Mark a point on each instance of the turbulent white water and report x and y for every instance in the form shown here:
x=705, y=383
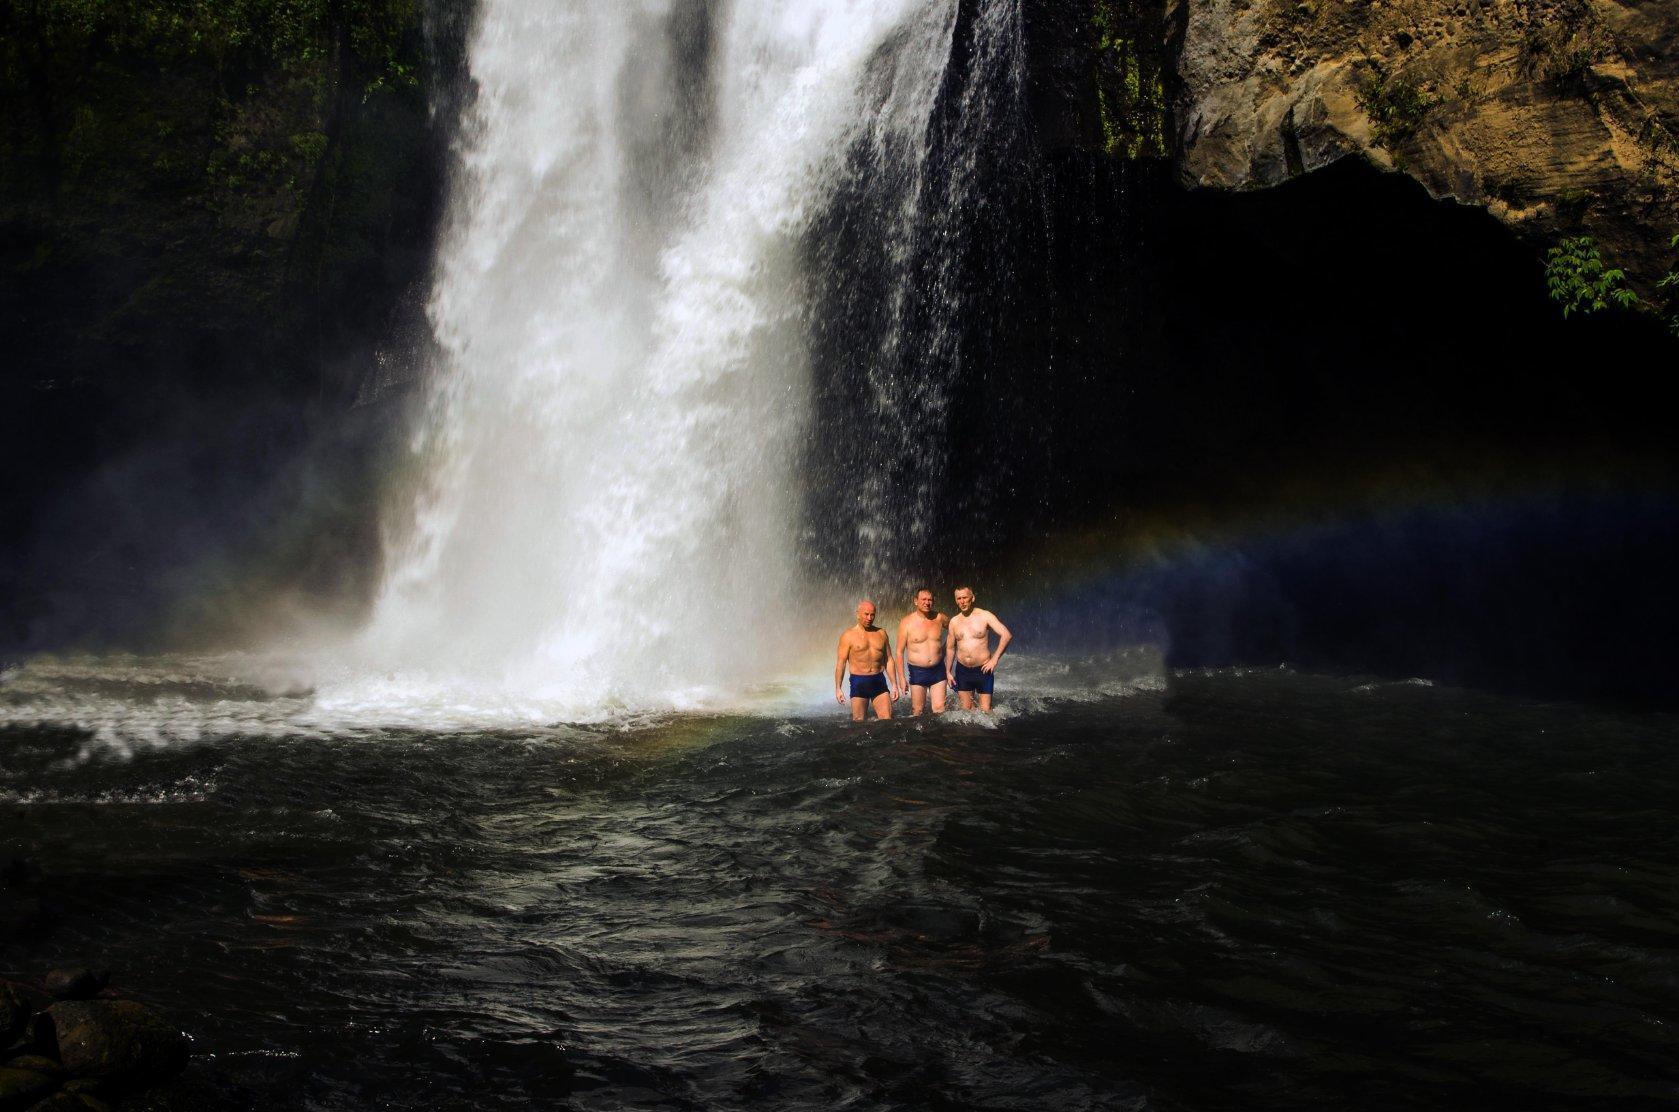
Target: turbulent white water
x=607, y=504
x=120, y=707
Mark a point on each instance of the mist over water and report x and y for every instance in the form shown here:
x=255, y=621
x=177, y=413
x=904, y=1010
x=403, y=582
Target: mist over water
x=607, y=480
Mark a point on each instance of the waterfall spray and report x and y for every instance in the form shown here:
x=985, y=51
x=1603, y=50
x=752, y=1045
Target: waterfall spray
x=609, y=461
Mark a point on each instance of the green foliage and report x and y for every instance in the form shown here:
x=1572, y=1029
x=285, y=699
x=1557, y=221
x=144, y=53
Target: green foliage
x=1396, y=106
x=1130, y=82
x=190, y=161
x=1579, y=281
x=1670, y=281
x=242, y=105
x=290, y=34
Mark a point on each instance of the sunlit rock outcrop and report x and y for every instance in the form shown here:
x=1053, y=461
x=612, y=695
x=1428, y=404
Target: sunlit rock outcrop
x=1560, y=117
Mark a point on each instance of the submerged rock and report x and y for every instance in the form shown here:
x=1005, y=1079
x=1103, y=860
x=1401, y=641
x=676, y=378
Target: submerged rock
x=71, y=1102
x=120, y=1041
x=76, y=984
x=38, y=1036
x=39, y=1063
x=22, y=1088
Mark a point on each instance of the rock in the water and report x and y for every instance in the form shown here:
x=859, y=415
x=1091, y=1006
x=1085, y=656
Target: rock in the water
x=38, y=1036
x=22, y=1088
x=14, y=1012
x=121, y=1041
x=38, y=1063
x=76, y=984
x=71, y=1102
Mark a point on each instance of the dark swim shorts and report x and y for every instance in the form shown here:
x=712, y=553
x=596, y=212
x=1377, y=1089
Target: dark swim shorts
x=973, y=679
x=925, y=675
x=867, y=687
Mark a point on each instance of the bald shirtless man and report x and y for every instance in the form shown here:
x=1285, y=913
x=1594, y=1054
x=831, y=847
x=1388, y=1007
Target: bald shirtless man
x=921, y=654
x=969, y=662
x=867, y=651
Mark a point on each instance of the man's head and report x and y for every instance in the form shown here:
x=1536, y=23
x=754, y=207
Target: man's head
x=924, y=602
x=865, y=613
x=964, y=599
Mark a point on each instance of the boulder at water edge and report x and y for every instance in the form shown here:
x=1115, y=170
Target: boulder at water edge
x=21, y=1088
x=120, y=1041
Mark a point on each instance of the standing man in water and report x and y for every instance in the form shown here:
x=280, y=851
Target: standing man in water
x=867, y=651
x=969, y=662
x=921, y=654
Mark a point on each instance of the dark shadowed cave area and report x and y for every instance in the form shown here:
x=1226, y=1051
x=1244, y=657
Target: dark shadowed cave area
x=1389, y=450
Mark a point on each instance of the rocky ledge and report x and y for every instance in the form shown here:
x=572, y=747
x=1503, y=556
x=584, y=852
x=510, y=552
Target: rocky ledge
x=1560, y=117
x=71, y=1045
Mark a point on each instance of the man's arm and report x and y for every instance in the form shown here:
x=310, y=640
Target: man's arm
x=1003, y=639
x=839, y=670
x=899, y=657
x=892, y=685
x=950, y=652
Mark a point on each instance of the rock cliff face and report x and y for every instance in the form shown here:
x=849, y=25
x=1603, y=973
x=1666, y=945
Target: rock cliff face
x=1560, y=117
x=211, y=216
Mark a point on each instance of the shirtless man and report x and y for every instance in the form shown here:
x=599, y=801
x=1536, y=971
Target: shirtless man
x=921, y=654
x=968, y=659
x=867, y=651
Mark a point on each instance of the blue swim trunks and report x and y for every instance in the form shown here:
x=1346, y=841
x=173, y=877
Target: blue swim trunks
x=925, y=675
x=867, y=687
x=973, y=679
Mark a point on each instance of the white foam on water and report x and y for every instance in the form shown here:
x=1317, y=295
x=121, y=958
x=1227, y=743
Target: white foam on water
x=120, y=707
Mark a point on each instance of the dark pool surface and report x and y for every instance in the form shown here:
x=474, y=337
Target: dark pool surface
x=1249, y=891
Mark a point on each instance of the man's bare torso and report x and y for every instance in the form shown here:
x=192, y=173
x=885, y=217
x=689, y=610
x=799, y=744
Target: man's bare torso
x=972, y=633
x=923, y=639
x=865, y=651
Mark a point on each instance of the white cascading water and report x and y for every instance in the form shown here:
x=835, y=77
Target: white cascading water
x=607, y=507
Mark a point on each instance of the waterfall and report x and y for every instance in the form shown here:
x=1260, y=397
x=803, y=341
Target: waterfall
x=909, y=279
x=607, y=501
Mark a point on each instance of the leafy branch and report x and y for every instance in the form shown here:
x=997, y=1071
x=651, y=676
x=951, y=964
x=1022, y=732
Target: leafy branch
x=1579, y=281
x=1670, y=281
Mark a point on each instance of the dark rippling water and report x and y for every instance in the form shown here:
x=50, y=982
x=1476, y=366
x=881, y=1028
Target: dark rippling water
x=1248, y=891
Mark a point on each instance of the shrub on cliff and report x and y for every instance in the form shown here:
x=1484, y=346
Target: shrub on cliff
x=1396, y=106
